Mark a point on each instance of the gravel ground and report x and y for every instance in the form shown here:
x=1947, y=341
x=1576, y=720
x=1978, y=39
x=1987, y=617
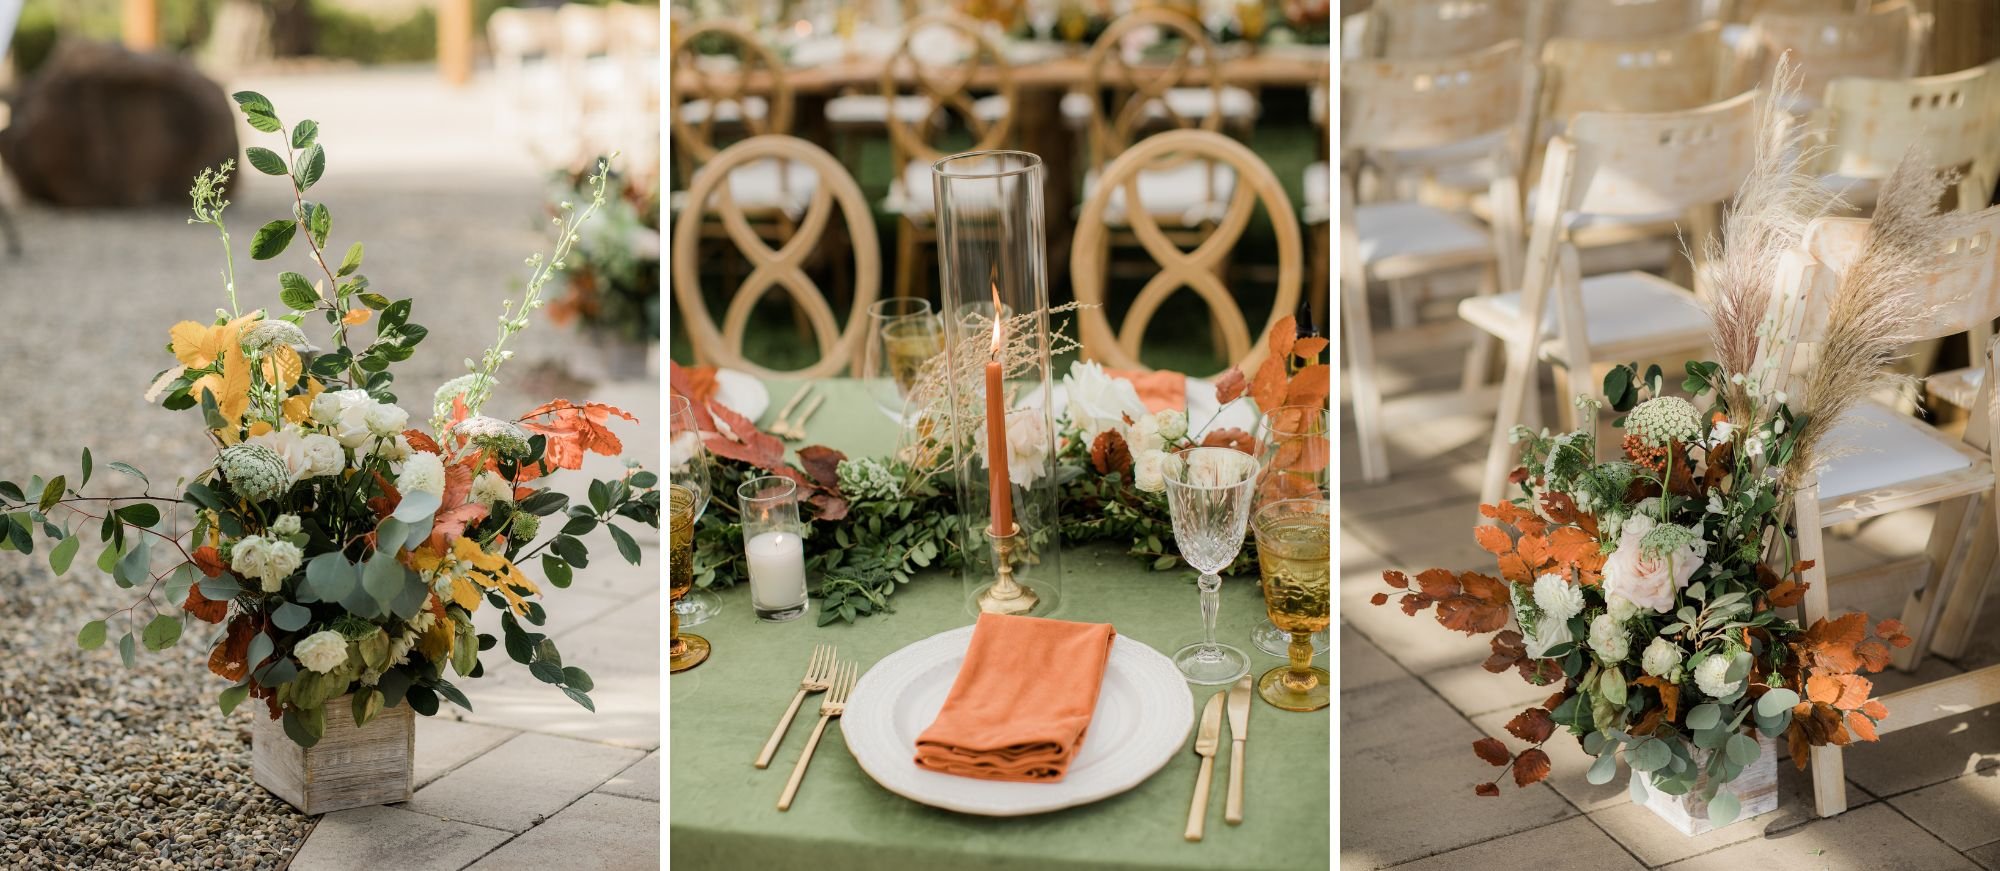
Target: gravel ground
x=101, y=767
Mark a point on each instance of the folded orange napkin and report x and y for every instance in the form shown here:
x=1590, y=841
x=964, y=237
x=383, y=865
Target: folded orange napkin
x=1160, y=389
x=1022, y=700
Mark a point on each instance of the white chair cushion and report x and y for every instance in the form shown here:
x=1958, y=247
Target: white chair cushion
x=873, y=109
x=1318, y=191
x=911, y=195
x=1619, y=307
x=1193, y=104
x=730, y=111
x=1874, y=447
x=1176, y=194
x=993, y=108
x=765, y=184
x=1318, y=105
x=1405, y=227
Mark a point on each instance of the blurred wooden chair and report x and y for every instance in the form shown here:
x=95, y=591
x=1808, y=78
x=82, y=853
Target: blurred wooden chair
x=1391, y=107
x=711, y=198
x=943, y=84
x=1618, y=19
x=1607, y=164
x=1881, y=461
x=528, y=64
x=1884, y=43
x=712, y=98
x=1413, y=29
x=1153, y=91
x=1179, y=268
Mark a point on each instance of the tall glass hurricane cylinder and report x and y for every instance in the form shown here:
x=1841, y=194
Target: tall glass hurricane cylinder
x=993, y=266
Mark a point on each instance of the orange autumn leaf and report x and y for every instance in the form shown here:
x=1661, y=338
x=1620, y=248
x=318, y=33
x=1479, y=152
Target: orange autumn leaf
x=209, y=560
x=1523, y=520
x=282, y=366
x=1283, y=334
x=1310, y=385
x=1823, y=689
x=1268, y=389
x=572, y=430
x=1875, y=710
x=1509, y=649
x=1670, y=693
x=1854, y=690
x=356, y=317
x=1533, y=725
x=227, y=660
x=1481, y=607
x=203, y=608
x=1309, y=348
x=1863, y=727
x=1489, y=790
x=1491, y=750
x=1230, y=386
x=1493, y=539
x=1531, y=767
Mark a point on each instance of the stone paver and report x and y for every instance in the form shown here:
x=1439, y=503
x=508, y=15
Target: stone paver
x=530, y=777
x=642, y=780
x=1409, y=687
x=445, y=743
x=1571, y=845
x=394, y=837
x=599, y=832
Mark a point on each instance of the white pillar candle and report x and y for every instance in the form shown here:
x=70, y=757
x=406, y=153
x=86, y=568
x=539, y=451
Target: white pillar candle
x=777, y=570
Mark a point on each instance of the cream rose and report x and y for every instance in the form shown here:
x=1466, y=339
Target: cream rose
x=1098, y=402
x=1609, y=639
x=1149, y=472
x=306, y=455
x=322, y=651
x=1648, y=581
x=1661, y=658
x=1027, y=445
x=1712, y=676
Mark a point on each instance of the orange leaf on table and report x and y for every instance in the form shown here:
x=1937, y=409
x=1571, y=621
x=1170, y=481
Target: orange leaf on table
x=1310, y=386
x=1489, y=790
x=1379, y=599
x=1491, y=750
x=1109, y=453
x=823, y=464
x=1531, y=767
x=1533, y=725
x=1230, y=386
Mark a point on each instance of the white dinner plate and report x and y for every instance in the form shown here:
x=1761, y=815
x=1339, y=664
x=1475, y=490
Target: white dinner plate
x=1201, y=408
x=1144, y=713
x=742, y=393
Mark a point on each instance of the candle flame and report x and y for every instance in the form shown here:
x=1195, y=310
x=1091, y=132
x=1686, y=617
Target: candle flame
x=997, y=343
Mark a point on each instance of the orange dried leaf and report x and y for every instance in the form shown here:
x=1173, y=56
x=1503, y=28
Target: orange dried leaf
x=1875, y=710
x=1489, y=790
x=1379, y=599
x=1533, y=725
x=356, y=317
x=1310, y=386
x=1396, y=579
x=1230, y=386
x=1309, y=348
x=1493, y=539
x=1863, y=727
x=1823, y=689
x=1491, y=750
x=1531, y=767
x=1283, y=334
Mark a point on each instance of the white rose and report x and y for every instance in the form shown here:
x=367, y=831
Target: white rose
x=1621, y=608
x=1661, y=657
x=489, y=488
x=1027, y=445
x=1712, y=676
x=422, y=471
x=1098, y=402
x=1557, y=597
x=346, y=413
x=1149, y=472
x=1647, y=581
x=1609, y=639
x=1173, y=425
x=268, y=560
x=323, y=454
x=322, y=651
x=385, y=420
x=394, y=450
x=326, y=407
x=1144, y=435
x=285, y=525
x=1541, y=639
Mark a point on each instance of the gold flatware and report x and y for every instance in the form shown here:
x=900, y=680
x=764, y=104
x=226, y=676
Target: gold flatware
x=798, y=427
x=1204, y=746
x=819, y=677
x=1239, y=729
x=780, y=427
x=835, y=702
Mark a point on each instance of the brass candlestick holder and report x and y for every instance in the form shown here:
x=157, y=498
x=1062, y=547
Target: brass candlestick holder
x=1006, y=596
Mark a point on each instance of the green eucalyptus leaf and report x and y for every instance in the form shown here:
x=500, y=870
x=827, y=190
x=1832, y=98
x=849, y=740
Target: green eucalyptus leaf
x=91, y=636
x=61, y=555
x=232, y=697
x=162, y=632
x=272, y=238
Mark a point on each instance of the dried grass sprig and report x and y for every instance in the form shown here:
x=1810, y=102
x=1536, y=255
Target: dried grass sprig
x=1769, y=214
x=1877, y=309
x=925, y=447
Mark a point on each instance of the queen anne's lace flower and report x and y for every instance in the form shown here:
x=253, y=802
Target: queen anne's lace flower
x=503, y=438
x=450, y=390
x=264, y=334
x=322, y=651
x=1664, y=419
x=269, y=560
x=254, y=471
x=867, y=478
x=422, y=471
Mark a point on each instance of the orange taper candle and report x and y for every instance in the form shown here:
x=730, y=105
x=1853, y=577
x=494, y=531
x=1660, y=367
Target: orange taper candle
x=996, y=437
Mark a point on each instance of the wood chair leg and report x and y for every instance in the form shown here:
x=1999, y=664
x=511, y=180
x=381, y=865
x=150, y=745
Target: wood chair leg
x=1479, y=358
x=1364, y=391
x=1828, y=771
x=1949, y=549
x=1960, y=606
x=1515, y=395
x=1402, y=304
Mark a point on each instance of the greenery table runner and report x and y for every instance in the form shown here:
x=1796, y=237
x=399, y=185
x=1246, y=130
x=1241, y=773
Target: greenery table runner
x=725, y=816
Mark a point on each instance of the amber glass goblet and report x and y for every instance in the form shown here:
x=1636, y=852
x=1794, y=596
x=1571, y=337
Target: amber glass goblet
x=1294, y=555
x=687, y=651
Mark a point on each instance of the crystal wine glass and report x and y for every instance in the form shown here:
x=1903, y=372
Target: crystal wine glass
x=903, y=334
x=1294, y=556
x=1297, y=447
x=688, y=466
x=687, y=500
x=1209, y=494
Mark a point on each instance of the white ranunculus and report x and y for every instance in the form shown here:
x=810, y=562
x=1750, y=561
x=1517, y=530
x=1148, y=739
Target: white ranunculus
x=1149, y=472
x=346, y=412
x=1609, y=639
x=286, y=524
x=1545, y=636
x=1144, y=435
x=422, y=471
x=1557, y=597
x=322, y=651
x=385, y=420
x=489, y=488
x=1027, y=445
x=1712, y=676
x=267, y=560
x=1173, y=425
x=1098, y=402
x=1661, y=657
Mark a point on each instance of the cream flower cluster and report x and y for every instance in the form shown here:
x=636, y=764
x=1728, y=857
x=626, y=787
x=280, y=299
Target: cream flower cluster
x=269, y=560
x=254, y=471
x=1664, y=419
x=868, y=478
x=503, y=438
x=306, y=454
x=356, y=419
x=451, y=390
x=264, y=334
x=489, y=489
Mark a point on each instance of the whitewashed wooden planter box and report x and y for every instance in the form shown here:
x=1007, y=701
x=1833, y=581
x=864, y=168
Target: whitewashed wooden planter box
x=348, y=768
x=1756, y=792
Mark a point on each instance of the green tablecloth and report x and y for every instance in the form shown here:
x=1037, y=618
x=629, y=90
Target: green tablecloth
x=724, y=811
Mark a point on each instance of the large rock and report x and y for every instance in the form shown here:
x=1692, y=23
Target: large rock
x=102, y=126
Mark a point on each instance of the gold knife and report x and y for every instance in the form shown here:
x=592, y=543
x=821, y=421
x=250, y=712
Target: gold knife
x=1239, y=728
x=1204, y=746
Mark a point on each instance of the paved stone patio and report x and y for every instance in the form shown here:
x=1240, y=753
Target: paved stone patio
x=1414, y=698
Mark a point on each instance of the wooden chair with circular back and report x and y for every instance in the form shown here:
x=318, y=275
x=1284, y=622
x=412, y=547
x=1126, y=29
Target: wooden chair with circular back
x=1164, y=94
x=781, y=267
x=711, y=90
x=1196, y=269
x=943, y=84
x=1884, y=43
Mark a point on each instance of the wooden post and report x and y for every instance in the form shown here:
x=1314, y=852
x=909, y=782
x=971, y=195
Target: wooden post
x=141, y=25
x=454, y=33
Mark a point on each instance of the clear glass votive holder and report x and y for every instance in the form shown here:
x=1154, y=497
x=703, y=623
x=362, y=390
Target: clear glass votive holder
x=774, y=547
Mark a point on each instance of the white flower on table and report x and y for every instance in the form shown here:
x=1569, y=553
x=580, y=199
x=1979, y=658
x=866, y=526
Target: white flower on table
x=1098, y=402
x=1149, y=472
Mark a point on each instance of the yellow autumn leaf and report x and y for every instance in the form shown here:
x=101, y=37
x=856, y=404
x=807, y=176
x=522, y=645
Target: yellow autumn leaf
x=194, y=344
x=282, y=366
x=298, y=409
x=356, y=317
x=234, y=399
x=436, y=642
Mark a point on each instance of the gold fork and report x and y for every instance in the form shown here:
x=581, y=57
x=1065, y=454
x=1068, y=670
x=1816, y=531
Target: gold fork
x=779, y=427
x=819, y=677
x=795, y=430
x=835, y=702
